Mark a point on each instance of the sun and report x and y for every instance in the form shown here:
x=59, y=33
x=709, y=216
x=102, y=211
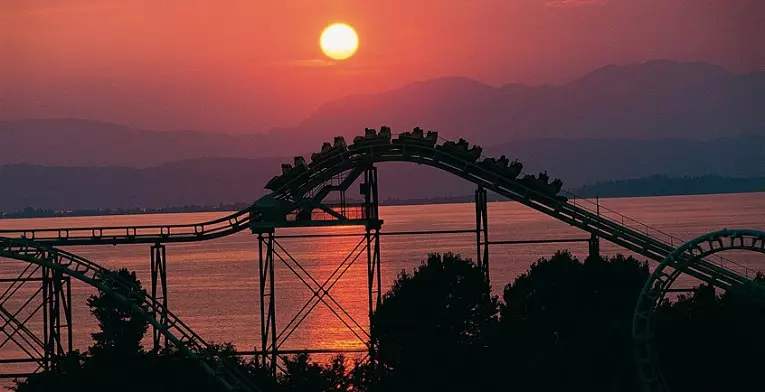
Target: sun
x=339, y=41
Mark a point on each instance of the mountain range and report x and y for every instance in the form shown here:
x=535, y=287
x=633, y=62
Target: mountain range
x=657, y=99
x=210, y=181
x=616, y=122
x=653, y=100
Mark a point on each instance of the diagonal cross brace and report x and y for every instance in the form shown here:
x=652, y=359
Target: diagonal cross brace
x=320, y=291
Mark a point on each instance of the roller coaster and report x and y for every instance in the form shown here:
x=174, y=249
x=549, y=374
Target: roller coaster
x=174, y=330
x=298, y=198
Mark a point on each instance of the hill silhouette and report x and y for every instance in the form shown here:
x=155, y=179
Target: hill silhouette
x=583, y=161
x=192, y=182
x=211, y=181
x=662, y=185
x=653, y=100
x=656, y=99
x=77, y=142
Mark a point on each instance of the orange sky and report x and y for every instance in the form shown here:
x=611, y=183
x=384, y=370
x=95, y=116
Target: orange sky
x=250, y=65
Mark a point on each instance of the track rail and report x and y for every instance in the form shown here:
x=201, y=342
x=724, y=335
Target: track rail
x=146, y=234
x=182, y=337
x=609, y=225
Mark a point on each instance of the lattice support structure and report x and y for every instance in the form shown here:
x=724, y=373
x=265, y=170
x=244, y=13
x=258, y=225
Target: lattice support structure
x=267, y=300
x=51, y=302
x=373, y=282
x=272, y=251
x=57, y=315
x=371, y=201
x=159, y=291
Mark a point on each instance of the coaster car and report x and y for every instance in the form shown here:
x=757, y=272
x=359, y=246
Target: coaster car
x=460, y=150
x=540, y=184
x=288, y=173
x=502, y=166
x=371, y=138
x=329, y=151
x=417, y=137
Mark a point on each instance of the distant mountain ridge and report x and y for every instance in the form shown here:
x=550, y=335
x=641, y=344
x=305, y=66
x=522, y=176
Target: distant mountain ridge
x=658, y=185
x=654, y=100
x=192, y=182
x=212, y=181
x=75, y=142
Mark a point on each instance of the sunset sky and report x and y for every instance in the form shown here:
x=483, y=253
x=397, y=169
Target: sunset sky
x=251, y=65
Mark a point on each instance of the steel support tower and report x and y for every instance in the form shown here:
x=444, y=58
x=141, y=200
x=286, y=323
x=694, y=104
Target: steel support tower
x=270, y=250
x=159, y=291
x=51, y=302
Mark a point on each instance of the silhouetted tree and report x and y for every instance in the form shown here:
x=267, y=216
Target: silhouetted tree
x=68, y=376
x=303, y=375
x=122, y=327
x=431, y=329
x=566, y=325
x=711, y=342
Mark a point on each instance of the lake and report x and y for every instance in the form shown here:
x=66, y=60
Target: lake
x=213, y=285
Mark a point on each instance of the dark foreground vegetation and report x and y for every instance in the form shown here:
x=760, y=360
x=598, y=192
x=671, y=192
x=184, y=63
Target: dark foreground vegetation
x=564, y=325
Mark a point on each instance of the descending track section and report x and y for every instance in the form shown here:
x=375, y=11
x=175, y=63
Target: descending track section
x=310, y=182
x=186, y=340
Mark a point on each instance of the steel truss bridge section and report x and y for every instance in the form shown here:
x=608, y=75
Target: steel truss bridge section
x=660, y=283
x=62, y=263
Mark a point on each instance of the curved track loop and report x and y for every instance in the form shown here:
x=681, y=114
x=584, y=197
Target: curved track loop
x=661, y=280
x=186, y=340
x=611, y=226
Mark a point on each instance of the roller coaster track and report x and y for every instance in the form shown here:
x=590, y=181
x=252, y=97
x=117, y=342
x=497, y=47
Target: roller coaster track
x=609, y=225
x=182, y=337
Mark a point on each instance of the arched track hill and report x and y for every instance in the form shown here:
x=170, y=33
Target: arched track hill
x=182, y=337
x=315, y=182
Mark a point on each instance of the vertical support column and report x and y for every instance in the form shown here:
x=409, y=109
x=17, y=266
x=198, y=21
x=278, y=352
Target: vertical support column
x=68, y=313
x=594, y=246
x=55, y=315
x=372, y=215
x=56, y=296
x=371, y=195
x=268, y=346
x=482, y=230
x=594, y=242
x=373, y=282
x=377, y=266
x=370, y=288
x=52, y=335
x=159, y=291
x=47, y=352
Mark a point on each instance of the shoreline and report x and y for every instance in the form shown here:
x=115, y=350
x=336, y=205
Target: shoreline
x=40, y=213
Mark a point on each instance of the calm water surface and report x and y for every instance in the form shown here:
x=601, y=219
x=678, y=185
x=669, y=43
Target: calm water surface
x=213, y=285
